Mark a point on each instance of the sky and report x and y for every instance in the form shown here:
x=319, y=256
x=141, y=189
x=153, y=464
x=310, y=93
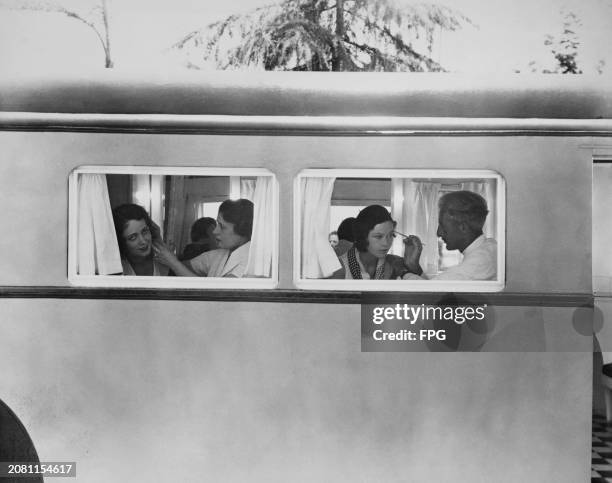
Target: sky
x=507, y=36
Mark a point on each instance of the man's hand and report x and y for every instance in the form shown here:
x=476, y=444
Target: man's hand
x=412, y=254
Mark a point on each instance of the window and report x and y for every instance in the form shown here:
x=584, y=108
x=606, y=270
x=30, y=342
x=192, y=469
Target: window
x=602, y=228
x=219, y=254
x=411, y=199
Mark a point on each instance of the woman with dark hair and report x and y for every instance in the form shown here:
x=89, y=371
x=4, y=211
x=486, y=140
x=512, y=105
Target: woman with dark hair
x=202, y=238
x=233, y=236
x=135, y=234
x=345, y=235
x=373, y=232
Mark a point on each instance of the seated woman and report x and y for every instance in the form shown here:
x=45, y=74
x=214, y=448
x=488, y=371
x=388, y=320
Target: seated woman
x=202, y=238
x=333, y=239
x=373, y=231
x=233, y=236
x=345, y=235
x=135, y=233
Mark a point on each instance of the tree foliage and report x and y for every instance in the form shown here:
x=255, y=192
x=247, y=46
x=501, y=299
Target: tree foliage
x=565, y=46
x=324, y=35
x=94, y=14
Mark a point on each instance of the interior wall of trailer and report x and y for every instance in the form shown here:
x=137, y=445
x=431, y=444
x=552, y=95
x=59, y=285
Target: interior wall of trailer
x=176, y=390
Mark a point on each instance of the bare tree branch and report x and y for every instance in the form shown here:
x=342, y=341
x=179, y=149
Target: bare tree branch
x=56, y=7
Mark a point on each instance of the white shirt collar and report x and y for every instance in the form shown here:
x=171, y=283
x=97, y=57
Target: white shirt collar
x=474, y=245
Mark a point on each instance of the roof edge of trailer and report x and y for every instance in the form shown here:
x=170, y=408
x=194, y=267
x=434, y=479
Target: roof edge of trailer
x=223, y=93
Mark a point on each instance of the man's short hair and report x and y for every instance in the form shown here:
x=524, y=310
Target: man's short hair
x=465, y=207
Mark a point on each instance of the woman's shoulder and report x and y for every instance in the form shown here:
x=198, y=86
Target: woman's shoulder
x=344, y=260
x=127, y=268
x=343, y=270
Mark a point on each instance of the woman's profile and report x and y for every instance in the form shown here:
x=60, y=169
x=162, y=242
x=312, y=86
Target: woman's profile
x=368, y=259
x=333, y=239
x=135, y=233
x=233, y=237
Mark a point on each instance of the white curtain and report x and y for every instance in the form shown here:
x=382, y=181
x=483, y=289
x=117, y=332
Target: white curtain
x=425, y=223
x=397, y=213
x=486, y=189
x=415, y=208
x=318, y=257
x=234, y=187
x=97, y=248
x=263, y=237
x=247, y=189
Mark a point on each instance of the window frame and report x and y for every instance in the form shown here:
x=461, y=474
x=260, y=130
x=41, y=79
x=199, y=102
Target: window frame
x=601, y=154
x=402, y=285
x=132, y=281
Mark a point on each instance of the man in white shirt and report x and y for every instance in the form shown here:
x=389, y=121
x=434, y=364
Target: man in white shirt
x=461, y=218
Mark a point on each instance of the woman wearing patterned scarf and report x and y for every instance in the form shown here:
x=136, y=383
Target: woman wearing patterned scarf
x=368, y=259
